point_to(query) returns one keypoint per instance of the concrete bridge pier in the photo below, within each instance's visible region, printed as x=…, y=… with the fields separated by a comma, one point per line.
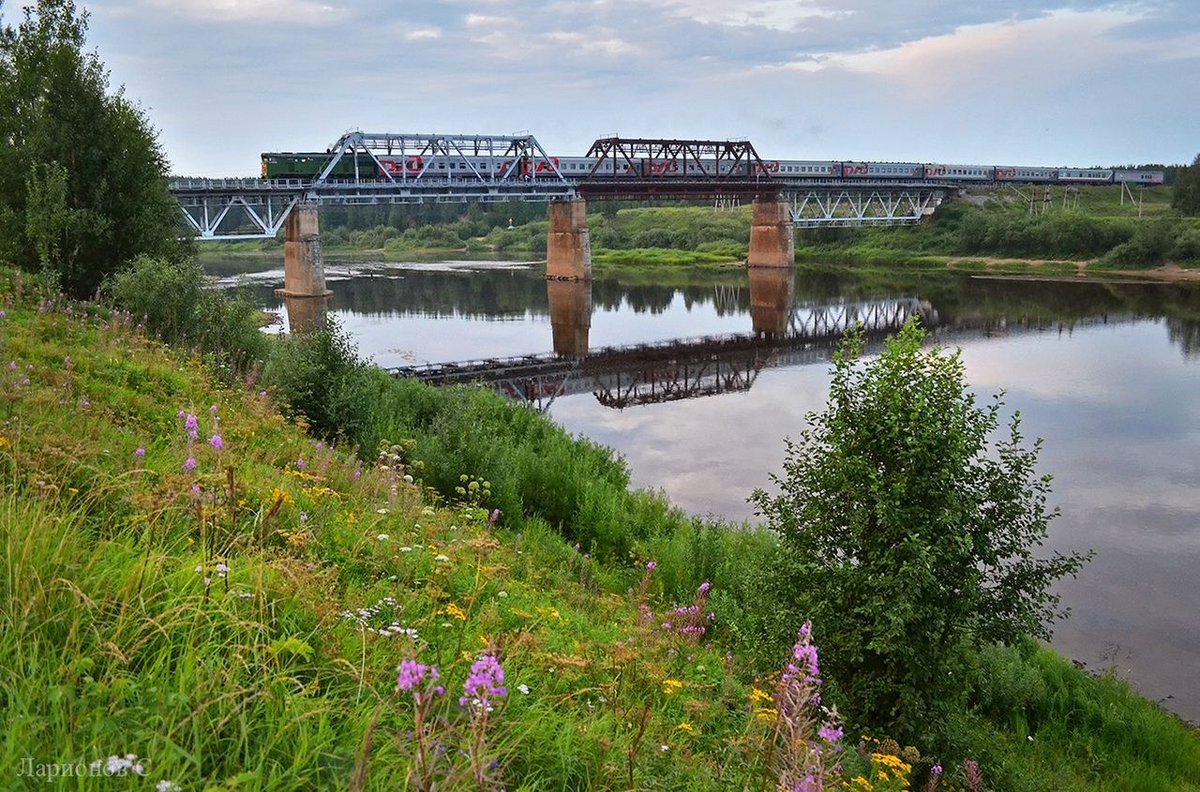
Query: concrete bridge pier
x=771, y=294
x=568, y=244
x=303, y=267
x=570, y=316
x=772, y=243
x=305, y=314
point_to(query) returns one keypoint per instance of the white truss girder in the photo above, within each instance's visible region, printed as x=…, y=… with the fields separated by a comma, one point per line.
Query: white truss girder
x=824, y=207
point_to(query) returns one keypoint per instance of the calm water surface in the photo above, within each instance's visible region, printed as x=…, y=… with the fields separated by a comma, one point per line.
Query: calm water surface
x=1108, y=374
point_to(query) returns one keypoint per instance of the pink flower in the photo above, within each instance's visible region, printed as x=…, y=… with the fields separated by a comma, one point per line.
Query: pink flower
x=217, y=442
x=650, y=565
x=139, y=452
x=189, y=464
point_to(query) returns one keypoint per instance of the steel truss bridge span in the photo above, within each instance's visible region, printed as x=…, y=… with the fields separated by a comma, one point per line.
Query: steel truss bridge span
x=394, y=168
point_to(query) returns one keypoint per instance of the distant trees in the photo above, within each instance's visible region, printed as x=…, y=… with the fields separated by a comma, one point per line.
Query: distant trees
x=1186, y=197
x=82, y=178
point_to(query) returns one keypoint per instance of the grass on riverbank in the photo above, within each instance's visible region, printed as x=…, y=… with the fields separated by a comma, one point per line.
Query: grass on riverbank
x=238, y=625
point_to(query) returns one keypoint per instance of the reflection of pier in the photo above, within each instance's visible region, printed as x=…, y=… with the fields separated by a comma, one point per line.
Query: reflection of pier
x=783, y=334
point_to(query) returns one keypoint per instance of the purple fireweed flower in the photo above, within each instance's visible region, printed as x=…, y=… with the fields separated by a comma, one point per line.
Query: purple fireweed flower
x=217, y=442
x=650, y=565
x=213, y=409
x=486, y=681
x=936, y=769
x=180, y=414
x=189, y=464
x=2, y=314
x=139, y=452
x=495, y=515
x=192, y=425
x=830, y=732
x=300, y=462
x=704, y=587
x=412, y=674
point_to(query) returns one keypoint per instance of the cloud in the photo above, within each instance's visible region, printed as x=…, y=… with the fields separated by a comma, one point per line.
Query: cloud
x=423, y=34
x=1053, y=44
x=275, y=12
x=775, y=14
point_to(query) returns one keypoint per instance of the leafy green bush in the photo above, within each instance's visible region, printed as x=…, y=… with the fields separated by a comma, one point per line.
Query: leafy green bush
x=319, y=376
x=907, y=534
x=173, y=300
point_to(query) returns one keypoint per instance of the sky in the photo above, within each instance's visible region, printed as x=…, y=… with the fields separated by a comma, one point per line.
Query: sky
x=1037, y=82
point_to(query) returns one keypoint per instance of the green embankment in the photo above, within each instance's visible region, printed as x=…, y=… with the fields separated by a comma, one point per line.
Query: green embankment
x=239, y=624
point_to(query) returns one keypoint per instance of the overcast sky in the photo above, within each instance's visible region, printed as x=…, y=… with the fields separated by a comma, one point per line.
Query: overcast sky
x=967, y=81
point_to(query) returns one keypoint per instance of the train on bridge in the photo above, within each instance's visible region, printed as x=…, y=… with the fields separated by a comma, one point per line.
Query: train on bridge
x=363, y=166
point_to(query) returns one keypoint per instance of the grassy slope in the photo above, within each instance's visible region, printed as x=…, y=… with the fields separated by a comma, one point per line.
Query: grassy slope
x=112, y=643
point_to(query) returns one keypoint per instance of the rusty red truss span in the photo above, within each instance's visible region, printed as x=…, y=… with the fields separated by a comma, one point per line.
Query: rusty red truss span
x=733, y=160
x=670, y=169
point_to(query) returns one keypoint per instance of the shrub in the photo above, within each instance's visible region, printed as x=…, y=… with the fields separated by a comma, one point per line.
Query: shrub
x=907, y=533
x=179, y=308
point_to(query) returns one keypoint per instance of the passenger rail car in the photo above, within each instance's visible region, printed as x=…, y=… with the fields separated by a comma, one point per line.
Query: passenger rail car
x=362, y=166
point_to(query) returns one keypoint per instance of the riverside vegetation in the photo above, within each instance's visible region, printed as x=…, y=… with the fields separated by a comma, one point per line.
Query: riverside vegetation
x=237, y=562
x=193, y=579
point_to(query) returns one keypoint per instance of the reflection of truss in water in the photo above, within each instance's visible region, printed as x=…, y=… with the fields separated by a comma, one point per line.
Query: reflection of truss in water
x=680, y=369
x=641, y=374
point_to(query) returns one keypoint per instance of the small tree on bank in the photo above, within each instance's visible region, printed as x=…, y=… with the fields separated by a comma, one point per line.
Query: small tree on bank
x=906, y=535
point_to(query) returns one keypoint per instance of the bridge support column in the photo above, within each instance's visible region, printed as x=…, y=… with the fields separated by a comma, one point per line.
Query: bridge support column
x=568, y=244
x=305, y=314
x=303, y=267
x=771, y=292
x=772, y=243
x=570, y=316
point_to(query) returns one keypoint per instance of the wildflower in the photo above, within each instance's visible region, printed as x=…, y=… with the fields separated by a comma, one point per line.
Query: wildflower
x=523, y=688
x=412, y=673
x=300, y=462
x=494, y=516
x=382, y=537
x=936, y=769
x=192, y=425
x=213, y=409
x=216, y=442
x=189, y=464
x=830, y=732
x=167, y=786
x=484, y=682
x=704, y=588
x=685, y=726
x=139, y=452
x=441, y=558
x=405, y=549
x=671, y=686
x=262, y=394
x=650, y=565
x=455, y=611
x=222, y=569
x=303, y=516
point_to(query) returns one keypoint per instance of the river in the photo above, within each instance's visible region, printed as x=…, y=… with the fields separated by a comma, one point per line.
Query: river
x=1107, y=373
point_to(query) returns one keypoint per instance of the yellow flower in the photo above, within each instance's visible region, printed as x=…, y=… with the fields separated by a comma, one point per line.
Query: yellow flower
x=351, y=518
x=862, y=783
x=757, y=695
x=671, y=686
x=455, y=611
x=3, y=441
x=685, y=726
x=766, y=714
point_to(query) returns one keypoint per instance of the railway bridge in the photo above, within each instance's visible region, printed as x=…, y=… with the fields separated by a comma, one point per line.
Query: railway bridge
x=488, y=168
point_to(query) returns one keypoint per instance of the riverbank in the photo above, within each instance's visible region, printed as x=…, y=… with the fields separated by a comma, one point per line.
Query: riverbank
x=303, y=545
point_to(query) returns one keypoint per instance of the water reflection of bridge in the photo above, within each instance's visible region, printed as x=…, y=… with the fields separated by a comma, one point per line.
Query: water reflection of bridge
x=783, y=333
